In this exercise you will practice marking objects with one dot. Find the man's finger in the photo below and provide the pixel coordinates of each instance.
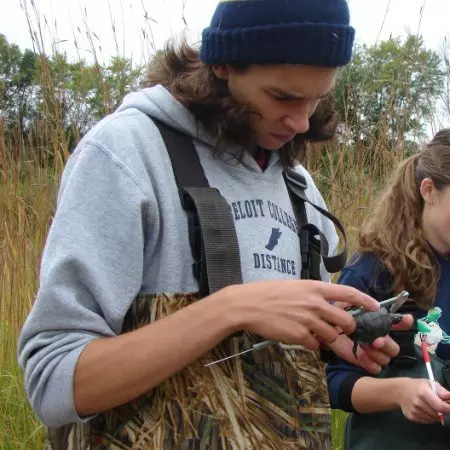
(347, 294)
(324, 332)
(338, 318)
(342, 305)
(309, 341)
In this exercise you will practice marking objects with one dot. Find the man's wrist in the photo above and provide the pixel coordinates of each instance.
(228, 307)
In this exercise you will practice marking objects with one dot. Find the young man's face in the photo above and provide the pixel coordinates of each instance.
(282, 98)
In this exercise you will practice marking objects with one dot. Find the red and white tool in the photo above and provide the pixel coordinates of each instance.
(426, 357)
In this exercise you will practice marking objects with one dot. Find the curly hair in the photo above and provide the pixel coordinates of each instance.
(193, 83)
(394, 229)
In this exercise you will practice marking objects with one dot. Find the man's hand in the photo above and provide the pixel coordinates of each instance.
(296, 312)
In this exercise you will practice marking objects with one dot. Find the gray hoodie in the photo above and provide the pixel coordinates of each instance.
(119, 231)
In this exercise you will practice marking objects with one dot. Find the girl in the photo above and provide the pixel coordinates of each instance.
(405, 244)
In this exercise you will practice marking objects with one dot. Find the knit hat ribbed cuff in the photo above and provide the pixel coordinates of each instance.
(315, 44)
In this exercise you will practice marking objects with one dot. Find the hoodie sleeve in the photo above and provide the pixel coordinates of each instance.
(90, 273)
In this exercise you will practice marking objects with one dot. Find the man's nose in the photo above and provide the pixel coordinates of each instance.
(297, 122)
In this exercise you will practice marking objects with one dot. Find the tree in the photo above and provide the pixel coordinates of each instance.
(389, 91)
(75, 95)
(444, 112)
(111, 83)
(53, 92)
(18, 84)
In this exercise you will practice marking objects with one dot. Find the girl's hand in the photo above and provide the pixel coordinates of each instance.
(419, 403)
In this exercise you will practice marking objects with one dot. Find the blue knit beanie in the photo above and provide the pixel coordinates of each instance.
(311, 32)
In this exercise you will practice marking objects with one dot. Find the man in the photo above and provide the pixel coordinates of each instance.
(115, 347)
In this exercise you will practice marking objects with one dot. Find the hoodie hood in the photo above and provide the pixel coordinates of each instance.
(157, 102)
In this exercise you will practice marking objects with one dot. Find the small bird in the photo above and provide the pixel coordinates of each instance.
(372, 325)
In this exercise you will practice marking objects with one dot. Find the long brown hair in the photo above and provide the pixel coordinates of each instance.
(179, 69)
(394, 229)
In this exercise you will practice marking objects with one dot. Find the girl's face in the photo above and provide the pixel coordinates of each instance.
(436, 216)
(282, 98)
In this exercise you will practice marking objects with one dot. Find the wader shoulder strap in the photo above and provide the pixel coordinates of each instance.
(314, 245)
(212, 234)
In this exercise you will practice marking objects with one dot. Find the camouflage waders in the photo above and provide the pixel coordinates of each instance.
(272, 399)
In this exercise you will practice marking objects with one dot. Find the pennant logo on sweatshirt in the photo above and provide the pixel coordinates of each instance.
(274, 239)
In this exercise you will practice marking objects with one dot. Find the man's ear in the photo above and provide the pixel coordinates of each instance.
(428, 190)
(221, 71)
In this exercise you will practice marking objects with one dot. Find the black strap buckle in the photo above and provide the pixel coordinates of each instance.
(195, 241)
(310, 254)
(186, 201)
(296, 179)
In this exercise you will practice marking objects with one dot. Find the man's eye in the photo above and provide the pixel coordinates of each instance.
(282, 98)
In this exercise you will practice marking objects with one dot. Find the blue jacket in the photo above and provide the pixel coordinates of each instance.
(368, 274)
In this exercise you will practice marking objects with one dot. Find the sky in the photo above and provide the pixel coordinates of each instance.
(64, 21)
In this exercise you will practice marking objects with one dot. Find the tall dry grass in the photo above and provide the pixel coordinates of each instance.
(30, 169)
